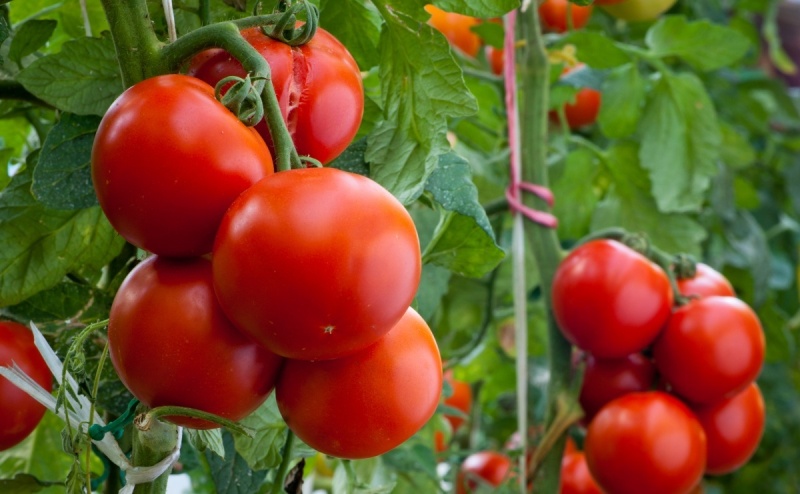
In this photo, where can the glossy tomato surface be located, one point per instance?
(555, 15)
(733, 427)
(711, 349)
(606, 379)
(19, 413)
(638, 10)
(609, 300)
(646, 442)
(168, 159)
(367, 403)
(484, 468)
(461, 399)
(575, 475)
(316, 263)
(457, 28)
(318, 85)
(585, 109)
(706, 282)
(171, 344)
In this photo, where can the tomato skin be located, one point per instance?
(638, 10)
(646, 442)
(495, 57)
(609, 300)
(607, 379)
(575, 475)
(20, 413)
(734, 428)
(482, 468)
(554, 14)
(365, 404)
(316, 263)
(461, 399)
(711, 349)
(171, 344)
(456, 28)
(706, 282)
(318, 85)
(167, 161)
(585, 109)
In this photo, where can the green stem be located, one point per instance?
(135, 41)
(169, 411)
(204, 12)
(534, 76)
(150, 446)
(283, 469)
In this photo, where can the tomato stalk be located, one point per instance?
(283, 469)
(168, 411)
(136, 44)
(153, 441)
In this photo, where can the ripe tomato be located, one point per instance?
(168, 160)
(318, 85)
(646, 442)
(171, 344)
(495, 57)
(461, 399)
(711, 349)
(488, 468)
(20, 413)
(367, 403)
(584, 110)
(734, 428)
(457, 28)
(606, 379)
(554, 15)
(609, 300)
(575, 475)
(706, 282)
(316, 263)
(638, 10)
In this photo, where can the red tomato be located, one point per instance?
(606, 379)
(318, 85)
(461, 399)
(734, 428)
(609, 300)
(575, 475)
(171, 344)
(554, 15)
(705, 283)
(365, 404)
(457, 28)
(316, 263)
(711, 349)
(495, 57)
(487, 468)
(584, 109)
(646, 442)
(168, 160)
(19, 413)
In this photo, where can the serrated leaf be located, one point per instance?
(623, 102)
(30, 36)
(357, 25)
(82, 78)
(63, 177)
(263, 450)
(573, 187)
(478, 8)
(680, 142)
(432, 287)
(207, 440)
(421, 86)
(59, 303)
(596, 49)
(702, 44)
(232, 475)
(463, 247)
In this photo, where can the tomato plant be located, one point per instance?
(706, 282)
(561, 15)
(575, 475)
(21, 413)
(606, 379)
(484, 468)
(457, 28)
(461, 399)
(609, 300)
(318, 86)
(637, 10)
(164, 187)
(389, 389)
(646, 442)
(584, 109)
(171, 344)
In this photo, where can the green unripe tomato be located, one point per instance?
(639, 10)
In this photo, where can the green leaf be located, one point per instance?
(421, 86)
(573, 186)
(357, 25)
(629, 205)
(371, 477)
(623, 102)
(82, 78)
(432, 287)
(63, 177)
(30, 37)
(233, 475)
(263, 450)
(736, 151)
(352, 159)
(478, 8)
(596, 49)
(207, 440)
(59, 303)
(680, 142)
(702, 44)
(27, 457)
(23, 484)
(463, 247)
(41, 245)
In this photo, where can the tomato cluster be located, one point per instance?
(311, 271)
(668, 392)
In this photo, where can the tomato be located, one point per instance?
(316, 263)
(20, 413)
(457, 28)
(318, 85)
(638, 10)
(461, 399)
(609, 300)
(734, 428)
(575, 475)
(495, 57)
(646, 442)
(584, 110)
(554, 15)
(171, 344)
(365, 404)
(484, 468)
(606, 379)
(711, 349)
(706, 282)
(168, 160)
